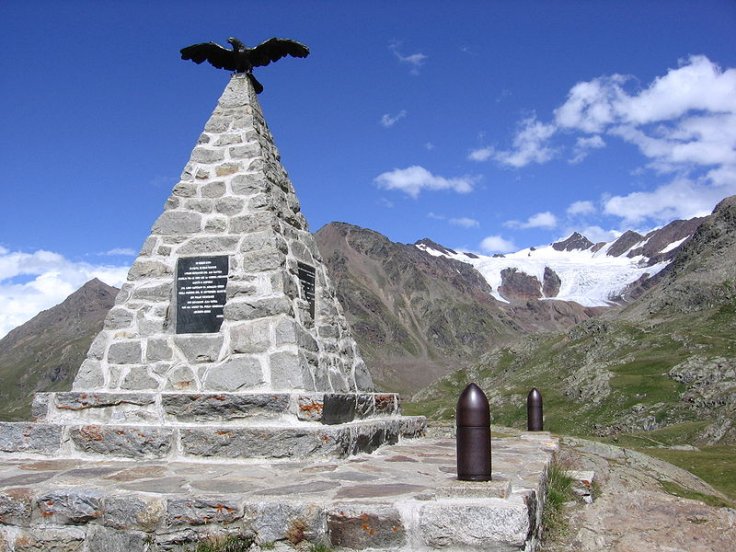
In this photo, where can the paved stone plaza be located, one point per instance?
(401, 497)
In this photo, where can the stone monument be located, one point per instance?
(227, 340)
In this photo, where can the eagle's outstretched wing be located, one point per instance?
(220, 57)
(276, 48)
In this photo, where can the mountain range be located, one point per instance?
(631, 336)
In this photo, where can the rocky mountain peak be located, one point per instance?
(575, 242)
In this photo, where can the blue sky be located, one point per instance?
(484, 125)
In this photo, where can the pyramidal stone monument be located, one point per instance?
(227, 341)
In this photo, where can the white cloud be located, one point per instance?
(412, 180)
(32, 282)
(414, 61)
(124, 251)
(583, 145)
(680, 199)
(497, 244)
(481, 154)
(581, 208)
(530, 144)
(596, 234)
(540, 220)
(387, 121)
(465, 222)
(683, 123)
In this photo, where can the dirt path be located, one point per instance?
(633, 512)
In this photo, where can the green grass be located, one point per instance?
(230, 543)
(714, 465)
(559, 491)
(677, 490)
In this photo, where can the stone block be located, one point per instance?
(177, 223)
(250, 337)
(278, 521)
(16, 506)
(118, 318)
(215, 225)
(126, 441)
(198, 205)
(219, 407)
(70, 505)
(82, 401)
(355, 527)
(235, 374)
(181, 378)
(227, 169)
(142, 269)
(138, 379)
(251, 309)
(185, 189)
(158, 349)
(30, 437)
(209, 245)
(40, 406)
(128, 512)
(363, 379)
(49, 539)
(338, 409)
(310, 407)
(125, 352)
(494, 524)
(249, 184)
(262, 442)
(201, 511)
(98, 347)
(89, 375)
(230, 206)
(289, 370)
(110, 540)
(245, 151)
(386, 404)
(207, 156)
(199, 348)
(229, 139)
(263, 261)
(214, 189)
(258, 222)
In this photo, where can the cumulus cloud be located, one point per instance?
(540, 220)
(387, 121)
(32, 282)
(583, 146)
(481, 154)
(413, 180)
(530, 145)
(497, 244)
(578, 208)
(683, 123)
(680, 199)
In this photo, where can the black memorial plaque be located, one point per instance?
(307, 278)
(200, 293)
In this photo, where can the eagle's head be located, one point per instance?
(236, 44)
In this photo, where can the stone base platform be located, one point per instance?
(401, 497)
(214, 427)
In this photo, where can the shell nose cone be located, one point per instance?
(472, 408)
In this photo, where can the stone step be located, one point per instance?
(206, 442)
(404, 497)
(171, 408)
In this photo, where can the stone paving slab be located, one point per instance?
(401, 497)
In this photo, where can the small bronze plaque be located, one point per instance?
(307, 278)
(200, 293)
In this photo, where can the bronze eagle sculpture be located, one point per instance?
(242, 59)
